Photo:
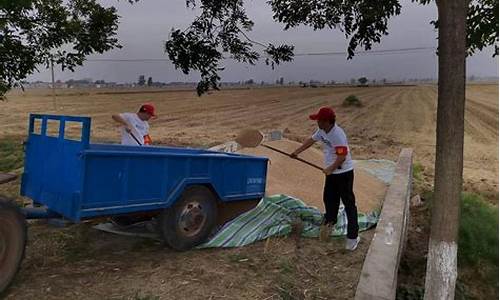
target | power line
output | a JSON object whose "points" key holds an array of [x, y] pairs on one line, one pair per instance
{"points": [[371, 52], [129, 60], [361, 53]]}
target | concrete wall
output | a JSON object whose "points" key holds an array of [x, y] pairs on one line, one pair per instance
{"points": [[378, 279]]}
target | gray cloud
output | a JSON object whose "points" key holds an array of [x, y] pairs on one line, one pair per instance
{"points": [[145, 25]]}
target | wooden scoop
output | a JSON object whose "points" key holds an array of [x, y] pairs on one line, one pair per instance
{"points": [[252, 138], [249, 138]]}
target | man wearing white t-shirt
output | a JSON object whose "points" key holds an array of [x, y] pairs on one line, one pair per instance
{"points": [[135, 127], [339, 171]]}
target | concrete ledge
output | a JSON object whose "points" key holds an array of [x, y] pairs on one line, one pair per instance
{"points": [[378, 279]]}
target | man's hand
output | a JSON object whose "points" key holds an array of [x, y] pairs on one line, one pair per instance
{"points": [[128, 128], [328, 171], [307, 143]]}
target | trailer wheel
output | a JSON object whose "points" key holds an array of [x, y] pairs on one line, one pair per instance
{"points": [[191, 220], [12, 242]]}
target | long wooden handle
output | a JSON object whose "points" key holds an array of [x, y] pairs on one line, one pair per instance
{"points": [[297, 158], [133, 136]]}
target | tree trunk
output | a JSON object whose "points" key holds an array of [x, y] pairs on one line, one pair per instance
{"points": [[442, 258]]}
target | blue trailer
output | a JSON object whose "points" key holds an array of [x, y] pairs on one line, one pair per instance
{"points": [[73, 179]]}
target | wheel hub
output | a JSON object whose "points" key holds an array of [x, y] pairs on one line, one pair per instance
{"points": [[192, 219]]}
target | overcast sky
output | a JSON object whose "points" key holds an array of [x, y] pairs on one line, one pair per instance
{"points": [[145, 26]]}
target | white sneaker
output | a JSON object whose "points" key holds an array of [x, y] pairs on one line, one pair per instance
{"points": [[352, 244]]}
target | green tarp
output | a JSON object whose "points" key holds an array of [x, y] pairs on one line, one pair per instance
{"points": [[274, 216]]}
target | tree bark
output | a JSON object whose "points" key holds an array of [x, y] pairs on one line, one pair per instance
{"points": [[442, 258]]}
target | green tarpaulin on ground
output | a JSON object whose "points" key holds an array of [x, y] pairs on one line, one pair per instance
{"points": [[274, 216]]}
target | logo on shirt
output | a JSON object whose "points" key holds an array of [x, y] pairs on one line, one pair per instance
{"points": [[140, 127], [326, 142]]}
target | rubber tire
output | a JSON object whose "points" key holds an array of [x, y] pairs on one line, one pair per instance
{"points": [[13, 230], [168, 220]]}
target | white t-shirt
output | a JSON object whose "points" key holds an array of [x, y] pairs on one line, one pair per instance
{"points": [[140, 129], [335, 141]]}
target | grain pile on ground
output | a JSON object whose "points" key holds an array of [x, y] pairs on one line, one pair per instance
{"points": [[294, 178]]}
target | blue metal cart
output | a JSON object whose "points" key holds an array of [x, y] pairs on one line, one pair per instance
{"points": [[72, 179]]}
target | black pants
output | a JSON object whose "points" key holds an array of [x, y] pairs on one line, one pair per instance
{"points": [[339, 186]]}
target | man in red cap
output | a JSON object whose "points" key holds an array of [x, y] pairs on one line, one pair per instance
{"points": [[135, 127], [339, 171]]}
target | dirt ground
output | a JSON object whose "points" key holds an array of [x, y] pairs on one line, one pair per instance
{"points": [[78, 262]]}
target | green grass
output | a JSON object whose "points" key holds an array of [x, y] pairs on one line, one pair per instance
{"points": [[138, 296], [286, 266], [352, 100], [287, 288], [410, 293], [477, 251], [418, 169], [11, 154], [478, 238], [74, 242], [237, 257]]}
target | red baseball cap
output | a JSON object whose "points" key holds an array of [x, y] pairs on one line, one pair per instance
{"points": [[325, 113], [148, 108]]}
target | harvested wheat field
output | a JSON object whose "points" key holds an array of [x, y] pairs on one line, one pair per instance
{"points": [[390, 118], [78, 262]]}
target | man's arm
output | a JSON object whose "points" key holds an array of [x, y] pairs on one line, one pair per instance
{"points": [[119, 119], [341, 151], [307, 143], [338, 162]]}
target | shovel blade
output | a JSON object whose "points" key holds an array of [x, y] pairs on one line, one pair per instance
{"points": [[249, 138]]}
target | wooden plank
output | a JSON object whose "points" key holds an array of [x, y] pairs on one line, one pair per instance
{"points": [[5, 177]]}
